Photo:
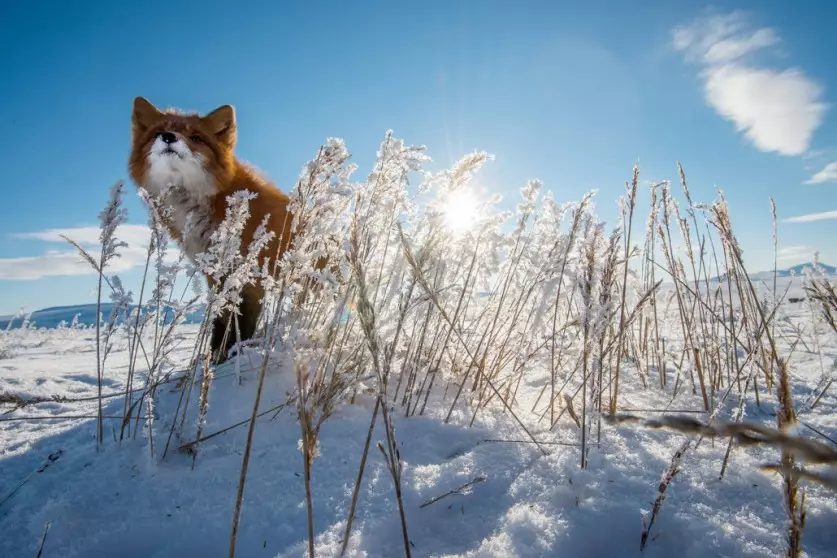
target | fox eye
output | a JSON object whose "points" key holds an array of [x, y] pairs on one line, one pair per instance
{"points": [[196, 139]]}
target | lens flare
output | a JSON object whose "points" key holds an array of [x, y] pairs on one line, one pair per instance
{"points": [[460, 210]]}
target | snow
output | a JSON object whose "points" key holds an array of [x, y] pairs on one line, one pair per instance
{"points": [[121, 501]]}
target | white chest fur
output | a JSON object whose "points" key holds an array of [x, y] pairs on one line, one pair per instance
{"points": [[189, 189]]}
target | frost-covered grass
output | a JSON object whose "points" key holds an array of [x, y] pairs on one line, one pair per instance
{"points": [[447, 385]]}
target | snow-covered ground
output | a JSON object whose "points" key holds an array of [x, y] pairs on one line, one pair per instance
{"points": [[121, 501]]}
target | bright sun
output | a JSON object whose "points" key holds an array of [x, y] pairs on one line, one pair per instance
{"points": [[460, 210]]}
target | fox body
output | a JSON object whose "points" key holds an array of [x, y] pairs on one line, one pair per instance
{"points": [[191, 158]]}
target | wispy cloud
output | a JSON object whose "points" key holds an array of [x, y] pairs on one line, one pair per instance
{"points": [[795, 253], [828, 174], [812, 217], [777, 110], [67, 261], [134, 235]]}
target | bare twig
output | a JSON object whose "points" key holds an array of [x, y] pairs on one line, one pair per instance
{"points": [[458, 490]]}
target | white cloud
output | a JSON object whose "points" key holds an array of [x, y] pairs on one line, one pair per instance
{"points": [[776, 110], [134, 235], [68, 261], [720, 39], [795, 252], [812, 217], [828, 174]]}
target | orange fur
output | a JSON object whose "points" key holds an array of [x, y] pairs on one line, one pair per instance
{"points": [[208, 143]]}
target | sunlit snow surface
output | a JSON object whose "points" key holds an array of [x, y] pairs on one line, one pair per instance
{"points": [[122, 502]]}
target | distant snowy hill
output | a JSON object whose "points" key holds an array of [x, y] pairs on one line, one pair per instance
{"points": [[52, 317], [797, 270]]}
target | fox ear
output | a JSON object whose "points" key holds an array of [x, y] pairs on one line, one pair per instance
{"points": [[221, 122], [144, 114]]}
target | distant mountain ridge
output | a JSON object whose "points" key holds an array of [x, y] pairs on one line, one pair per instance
{"points": [[797, 270], [52, 317]]}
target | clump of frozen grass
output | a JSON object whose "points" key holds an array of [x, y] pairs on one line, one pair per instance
{"points": [[301, 292], [20, 314], [22, 332], [431, 313], [821, 290], [110, 218], [8, 335], [229, 272], [821, 295], [157, 317], [163, 311]]}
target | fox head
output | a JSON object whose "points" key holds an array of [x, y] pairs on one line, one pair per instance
{"points": [[186, 150]]}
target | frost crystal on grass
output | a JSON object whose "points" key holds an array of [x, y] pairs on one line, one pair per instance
{"points": [[110, 218]]}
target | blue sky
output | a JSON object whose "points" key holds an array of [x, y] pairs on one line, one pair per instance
{"points": [[572, 93]]}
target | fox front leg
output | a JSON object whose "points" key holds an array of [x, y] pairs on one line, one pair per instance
{"points": [[225, 334]]}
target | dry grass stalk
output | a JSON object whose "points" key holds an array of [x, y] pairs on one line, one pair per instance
{"points": [[247, 449], [744, 433], [628, 227], [187, 447], [43, 539], [203, 404], [668, 476], [786, 418], [366, 314], [356, 491], [464, 489]]}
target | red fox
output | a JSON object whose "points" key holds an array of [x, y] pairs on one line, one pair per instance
{"points": [[193, 154]]}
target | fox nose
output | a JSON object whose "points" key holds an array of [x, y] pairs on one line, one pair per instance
{"points": [[168, 137]]}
